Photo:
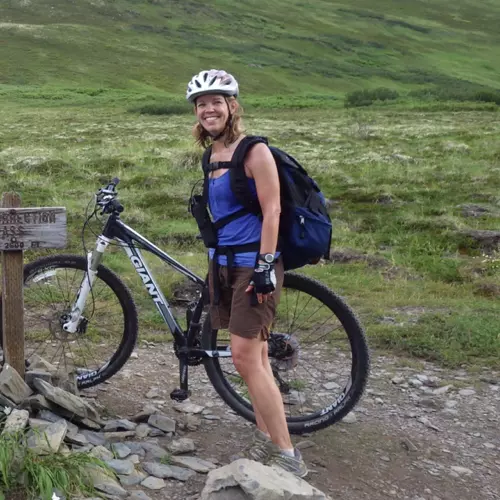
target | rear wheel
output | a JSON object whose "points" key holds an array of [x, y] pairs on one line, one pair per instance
{"points": [[107, 331], [318, 353]]}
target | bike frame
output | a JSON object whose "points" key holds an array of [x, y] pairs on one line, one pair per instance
{"points": [[116, 230]]}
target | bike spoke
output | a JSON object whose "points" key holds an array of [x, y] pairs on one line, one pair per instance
{"points": [[310, 353], [51, 294]]}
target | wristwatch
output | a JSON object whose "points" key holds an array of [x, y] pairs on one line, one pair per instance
{"points": [[268, 258]]}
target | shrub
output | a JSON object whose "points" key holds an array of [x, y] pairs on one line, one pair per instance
{"points": [[460, 92], [366, 97], [171, 108]]}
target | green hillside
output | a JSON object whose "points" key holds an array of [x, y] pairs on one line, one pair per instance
{"points": [[279, 46]]}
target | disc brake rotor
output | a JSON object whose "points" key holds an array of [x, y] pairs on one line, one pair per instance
{"points": [[284, 351]]}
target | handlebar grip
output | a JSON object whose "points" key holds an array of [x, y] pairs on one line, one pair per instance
{"points": [[113, 183]]}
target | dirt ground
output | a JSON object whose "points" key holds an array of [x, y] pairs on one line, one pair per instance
{"points": [[409, 440]]}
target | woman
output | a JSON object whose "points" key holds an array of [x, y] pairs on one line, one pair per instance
{"points": [[256, 274]]}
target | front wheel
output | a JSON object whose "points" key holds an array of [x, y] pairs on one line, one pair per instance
{"points": [[317, 351], [106, 334]]}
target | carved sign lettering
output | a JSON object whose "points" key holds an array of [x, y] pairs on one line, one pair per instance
{"points": [[30, 228]]}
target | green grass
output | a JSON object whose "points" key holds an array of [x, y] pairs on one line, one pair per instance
{"points": [[150, 48], [39, 475], [397, 179]]}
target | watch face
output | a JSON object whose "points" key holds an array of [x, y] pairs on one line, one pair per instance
{"points": [[269, 258]]}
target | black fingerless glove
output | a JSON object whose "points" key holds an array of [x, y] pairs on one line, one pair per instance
{"points": [[264, 278]]}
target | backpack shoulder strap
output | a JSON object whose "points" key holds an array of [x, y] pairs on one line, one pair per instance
{"points": [[243, 147], [205, 160], [239, 181]]}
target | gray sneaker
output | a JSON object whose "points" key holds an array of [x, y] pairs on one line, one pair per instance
{"points": [[260, 449], [295, 465]]}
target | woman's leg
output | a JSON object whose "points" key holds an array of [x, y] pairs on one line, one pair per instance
{"points": [[265, 362], [248, 354]]}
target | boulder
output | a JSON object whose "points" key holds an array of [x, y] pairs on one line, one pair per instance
{"points": [[16, 421], [66, 400], [12, 385], [48, 440], [248, 480]]}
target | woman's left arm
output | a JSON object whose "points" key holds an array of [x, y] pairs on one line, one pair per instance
{"points": [[261, 166]]}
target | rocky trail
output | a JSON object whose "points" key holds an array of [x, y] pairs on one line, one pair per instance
{"points": [[420, 432]]}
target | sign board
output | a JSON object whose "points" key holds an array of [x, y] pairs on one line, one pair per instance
{"points": [[32, 228]]}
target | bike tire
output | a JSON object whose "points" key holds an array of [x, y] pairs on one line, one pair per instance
{"points": [[118, 289], [351, 393]]}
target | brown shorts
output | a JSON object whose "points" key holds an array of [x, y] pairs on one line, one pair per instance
{"points": [[235, 311]]}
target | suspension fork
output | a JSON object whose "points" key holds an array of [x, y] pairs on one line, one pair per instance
{"points": [[94, 259]]}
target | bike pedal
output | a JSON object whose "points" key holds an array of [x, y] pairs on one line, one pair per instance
{"points": [[180, 394]]}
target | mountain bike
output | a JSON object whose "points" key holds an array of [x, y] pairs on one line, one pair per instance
{"points": [[81, 317]]}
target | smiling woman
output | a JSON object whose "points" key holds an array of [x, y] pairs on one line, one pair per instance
{"points": [[214, 95], [246, 272]]}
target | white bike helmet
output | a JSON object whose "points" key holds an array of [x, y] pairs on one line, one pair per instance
{"points": [[213, 81]]}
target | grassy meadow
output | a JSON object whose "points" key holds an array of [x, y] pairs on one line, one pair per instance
{"points": [[94, 89], [406, 187], [287, 47]]}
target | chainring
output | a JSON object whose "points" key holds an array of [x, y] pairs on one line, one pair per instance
{"points": [[192, 360]]}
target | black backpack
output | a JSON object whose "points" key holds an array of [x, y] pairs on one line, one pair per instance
{"points": [[305, 226]]}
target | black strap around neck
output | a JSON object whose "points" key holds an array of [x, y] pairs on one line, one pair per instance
{"points": [[218, 165]]}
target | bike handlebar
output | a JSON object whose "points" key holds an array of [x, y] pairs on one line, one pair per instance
{"points": [[106, 198]]}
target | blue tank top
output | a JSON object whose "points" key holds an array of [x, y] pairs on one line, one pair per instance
{"points": [[245, 229]]}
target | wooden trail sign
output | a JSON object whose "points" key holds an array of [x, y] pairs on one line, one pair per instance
{"points": [[22, 229]]}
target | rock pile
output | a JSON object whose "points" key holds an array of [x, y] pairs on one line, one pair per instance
{"points": [[56, 420]]}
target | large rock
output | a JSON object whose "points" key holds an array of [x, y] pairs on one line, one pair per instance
{"points": [[48, 440], [6, 402], [121, 466], [95, 438], [182, 445], [132, 479], [119, 425], [121, 450], [145, 413], [30, 377], [12, 386], [168, 471], [102, 453], [16, 421], [105, 482], [52, 417], [76, 439], [154, 452], [114, 437], [36, 403], [194, 463], [248, 480], [66, 400], [187, 407], [153, 483], [162, 422]]}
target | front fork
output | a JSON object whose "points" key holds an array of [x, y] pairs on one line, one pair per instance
{"points": [[94, 259]]}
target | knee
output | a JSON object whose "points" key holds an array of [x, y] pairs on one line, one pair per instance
{"points": [[246, 362]]}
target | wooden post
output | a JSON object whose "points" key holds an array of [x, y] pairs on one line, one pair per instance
{"points": [[22, 229], [12, 299]]}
